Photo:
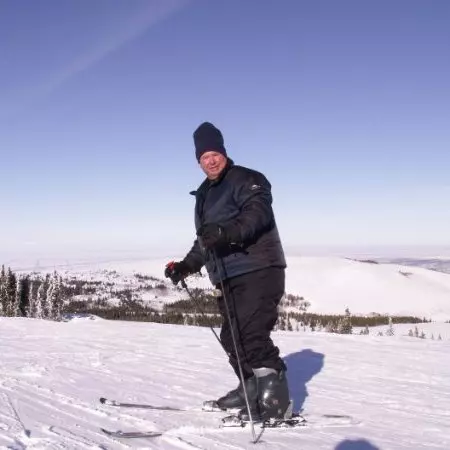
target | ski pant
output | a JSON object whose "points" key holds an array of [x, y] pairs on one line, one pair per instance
{"points": [[253, 300]]}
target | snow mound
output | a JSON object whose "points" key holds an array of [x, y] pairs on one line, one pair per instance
{"points": [[79, 317]]}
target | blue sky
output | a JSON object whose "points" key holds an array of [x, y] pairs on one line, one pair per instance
{"points": [[344, 106]]}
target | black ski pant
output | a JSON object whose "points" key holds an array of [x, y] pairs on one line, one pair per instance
{"points": [[253, 300]]}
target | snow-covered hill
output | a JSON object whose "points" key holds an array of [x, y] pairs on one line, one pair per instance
{"points": [[52, 374], [330, 284]]}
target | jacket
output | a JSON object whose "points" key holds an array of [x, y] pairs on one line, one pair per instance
{"points": [[240, 200]]}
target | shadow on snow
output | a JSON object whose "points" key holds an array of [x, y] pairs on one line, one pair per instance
{"points": [[301, 368]]}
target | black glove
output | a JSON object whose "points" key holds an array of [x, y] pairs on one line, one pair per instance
{"points": [[213, 236], [177, 271]]}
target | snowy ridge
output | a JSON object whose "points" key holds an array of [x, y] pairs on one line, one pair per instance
{"points": [[330, 284]]}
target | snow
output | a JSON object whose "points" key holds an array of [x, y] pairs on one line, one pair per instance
{"points": [[52, 374], [396, 388]]}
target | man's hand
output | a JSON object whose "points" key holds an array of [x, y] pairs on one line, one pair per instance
{"points": [[177, 271], [213, 236]]}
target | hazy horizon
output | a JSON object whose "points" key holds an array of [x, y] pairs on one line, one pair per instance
{"points": [[50, 260]]}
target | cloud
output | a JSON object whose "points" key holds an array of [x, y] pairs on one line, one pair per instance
{"points": [[136, 25]]}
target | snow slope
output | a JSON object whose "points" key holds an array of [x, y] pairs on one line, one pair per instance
{"points": [[51, 375]]}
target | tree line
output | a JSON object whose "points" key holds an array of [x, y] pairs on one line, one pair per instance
{"points": [[26, 296]]}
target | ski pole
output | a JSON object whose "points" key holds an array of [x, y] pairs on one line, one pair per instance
{"points": [[233, 337]]}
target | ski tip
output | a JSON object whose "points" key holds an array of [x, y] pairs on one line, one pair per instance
{"points": [[105, 401], [106, 431], [119, 434], [212, 406]]}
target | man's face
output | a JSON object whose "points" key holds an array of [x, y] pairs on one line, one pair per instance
{"points": [[212, 164]]}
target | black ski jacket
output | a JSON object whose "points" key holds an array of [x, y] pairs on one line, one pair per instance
{"points": [[240, 201]]}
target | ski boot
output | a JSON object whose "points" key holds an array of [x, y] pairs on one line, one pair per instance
{"points": [[235, 399], [272, 400]]}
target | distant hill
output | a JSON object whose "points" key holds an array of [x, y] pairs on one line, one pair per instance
{"points": [[438, 264], [330, 284]]}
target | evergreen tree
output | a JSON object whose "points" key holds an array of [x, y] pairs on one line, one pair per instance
{"points": [[31, 300], [17, 296], [47, 307], [11, 286], [39, 303], [331, 327], [345, 325], [56, 298], [390, 331], [3, 293], [288, 323], [24, 299]]}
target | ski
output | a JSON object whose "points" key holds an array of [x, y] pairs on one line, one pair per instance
{"points": [[233, 420], [295, 421], [208, 406], [132, 434], [213, 406], [109, 402]]}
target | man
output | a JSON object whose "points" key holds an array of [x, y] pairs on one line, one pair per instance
{"points": [[238, 242]]}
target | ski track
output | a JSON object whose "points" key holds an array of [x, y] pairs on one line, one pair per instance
{"points": [[40, 400], [36, 400], [10, 422]]}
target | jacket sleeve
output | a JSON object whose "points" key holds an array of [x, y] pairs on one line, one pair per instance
{"points": [[195, 259], [254, 199]]}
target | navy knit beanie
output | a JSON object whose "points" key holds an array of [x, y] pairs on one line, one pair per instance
{"points": [[208, 138]]}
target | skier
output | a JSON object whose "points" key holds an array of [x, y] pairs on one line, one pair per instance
{"points": [[238, 243]]}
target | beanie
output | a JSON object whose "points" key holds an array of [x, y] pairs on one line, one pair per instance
{"points": [[208, 138]]}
